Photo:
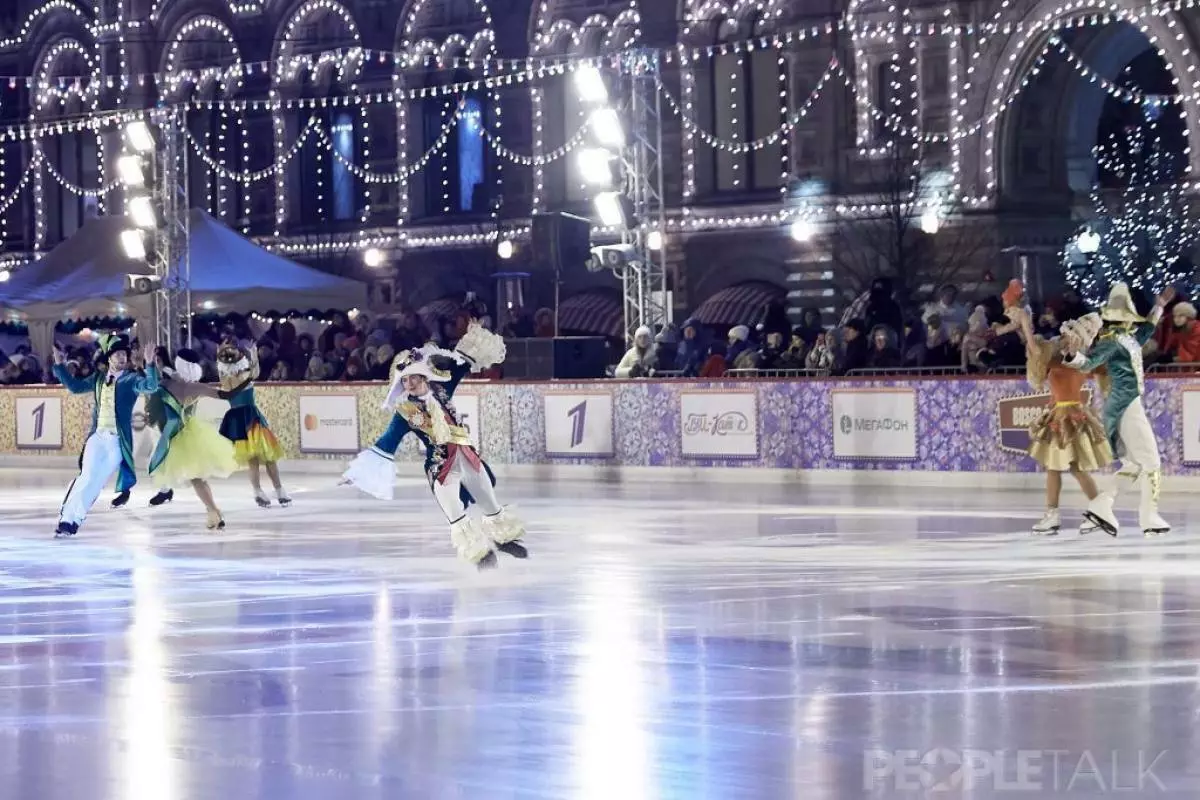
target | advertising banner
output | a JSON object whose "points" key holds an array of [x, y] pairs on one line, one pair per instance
{"points": [[329, 423], [39, 422], [579, 424], [719, 424], [1191, 425], [467, 406], [1018, 413], [875, 424]]}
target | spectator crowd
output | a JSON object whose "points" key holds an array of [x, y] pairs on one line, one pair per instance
{"points": [[876, 334]]}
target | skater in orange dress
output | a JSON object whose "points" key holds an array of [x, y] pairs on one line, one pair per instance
{"points": [[1067, 437]]}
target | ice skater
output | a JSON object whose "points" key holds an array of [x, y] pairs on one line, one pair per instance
{"points": [[254, 445], [1119, 352], [1067, 437], [422, 398], [109, 445], [190, 450]]}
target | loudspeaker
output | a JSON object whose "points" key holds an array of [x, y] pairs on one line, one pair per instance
{"points": [[568, 358], [561, 242], [578, 358]]}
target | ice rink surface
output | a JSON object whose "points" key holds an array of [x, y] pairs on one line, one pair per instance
{"points": [[665, 640]]}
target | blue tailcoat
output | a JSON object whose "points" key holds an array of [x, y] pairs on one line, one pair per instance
{"points": [[128, 387]]}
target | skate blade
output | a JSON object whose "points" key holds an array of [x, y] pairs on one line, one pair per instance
{"points": [[1050, 532], [1100, 523], [514, 549], [488, 562]]}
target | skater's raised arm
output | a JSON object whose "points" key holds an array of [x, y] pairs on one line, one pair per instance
{"points": [[70, 382], [1102, 353]]}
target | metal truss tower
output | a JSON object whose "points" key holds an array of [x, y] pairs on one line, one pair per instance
{"points": [[170, 254], [645, 276]]}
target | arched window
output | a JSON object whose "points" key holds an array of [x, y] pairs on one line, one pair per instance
{"points": [[738, 100], [458, 179]]}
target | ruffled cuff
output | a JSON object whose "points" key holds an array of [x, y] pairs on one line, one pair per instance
{"points": [[374, 473], [482, 347]]}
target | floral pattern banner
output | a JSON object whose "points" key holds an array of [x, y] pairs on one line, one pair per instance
{"points": [[961, 425]]}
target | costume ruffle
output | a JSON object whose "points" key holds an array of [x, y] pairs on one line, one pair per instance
{"points": [[198, 451], [373, 473], [1067, 435], [252, 438], [483, 347]]}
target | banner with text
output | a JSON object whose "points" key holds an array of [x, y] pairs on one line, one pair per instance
{"points": [[719, 424], [579, 424], [39, 423], [1191, 425], [875, 424], [1018, 413], [328, 423], [467, 406]]}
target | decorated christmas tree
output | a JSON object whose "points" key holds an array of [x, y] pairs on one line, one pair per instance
{"points": [[1143, 228]]}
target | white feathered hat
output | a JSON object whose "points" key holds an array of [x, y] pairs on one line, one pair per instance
{"points": [[417, 362], [1085, 329]]}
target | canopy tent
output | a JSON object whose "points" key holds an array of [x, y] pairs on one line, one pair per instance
{"points": [[741, 304], [85, 277], [598, 312]]}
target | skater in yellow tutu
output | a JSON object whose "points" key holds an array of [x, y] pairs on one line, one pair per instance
{"points": [[190, 450], [254, 444]]}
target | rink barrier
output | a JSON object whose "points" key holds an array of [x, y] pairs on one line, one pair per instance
{"points": [[962, 425]]}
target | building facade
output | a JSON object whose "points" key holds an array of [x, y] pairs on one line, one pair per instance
{"points": [[433, 129]]}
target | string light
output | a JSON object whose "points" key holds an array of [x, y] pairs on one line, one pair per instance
{"points": [[1147, 230]]}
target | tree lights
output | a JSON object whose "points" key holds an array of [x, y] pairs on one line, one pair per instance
{"points": [[1144, 230]]}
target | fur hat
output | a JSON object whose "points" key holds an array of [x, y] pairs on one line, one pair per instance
{"points": [[1085, 329], [1185, 309], [1120, 307], [187, 365]]}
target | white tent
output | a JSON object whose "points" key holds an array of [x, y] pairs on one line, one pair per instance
{"points": [[85, 277]]}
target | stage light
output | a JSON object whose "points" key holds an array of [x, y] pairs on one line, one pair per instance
{"points": [[130, 170], [595, 166], [654, 240], [4, 275], [589, 83], [610, 208], [141, 211], [505, 249], [373, 257], [802, 230], [133, 245], [1088, 241], [930, 221], [607, 127], [139, 136]]}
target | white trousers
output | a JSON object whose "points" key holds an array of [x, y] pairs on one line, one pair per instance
{"points": [[1137, 447], [463, 475], [101, 460]]}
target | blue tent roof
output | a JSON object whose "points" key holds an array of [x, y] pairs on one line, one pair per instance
{"points": [[85, 275]]}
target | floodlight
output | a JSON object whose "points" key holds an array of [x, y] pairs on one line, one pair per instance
{"points": [[373, 257], [141, 211], [589, 83], [130, 170], [595, 166], [607, 127], [654, 240], [505, 249], [139, 136], [133, 245], [931, 221], [802, 230], [1088, 241], [610, 209]]}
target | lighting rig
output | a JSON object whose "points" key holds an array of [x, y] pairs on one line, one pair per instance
{"points": [[154, 173], [623, 165]]}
